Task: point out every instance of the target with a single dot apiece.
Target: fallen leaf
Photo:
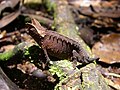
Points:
(9, 18)
(108, 49)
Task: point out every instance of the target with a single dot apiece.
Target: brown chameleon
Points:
(57, 45)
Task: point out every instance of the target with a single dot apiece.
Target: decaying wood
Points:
(58, 45)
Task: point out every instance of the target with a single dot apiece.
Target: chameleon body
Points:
(57, 45)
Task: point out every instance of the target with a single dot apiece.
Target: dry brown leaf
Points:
(9, 18)
(108, 49)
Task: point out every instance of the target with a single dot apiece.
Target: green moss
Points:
(50, 5)
(32, 52)
(56, 70)
(6, 55)
(61, 68)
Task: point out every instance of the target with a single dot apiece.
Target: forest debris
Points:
(7, 47)
(27, 67)
(109, 14)
(93, 81)
(31, 69)
(2, 34)
(108, 49)
(84, 3)
(41, 19)
(111, 74)
(8, 4)
(112, 84)
(61, 68)
(101, 16)
(84, 79)
(9, 34)
(6, 83)
(18, 50)
(104, 22)
(9, 18)
(87, 35)
(109, 9)
(14, 37)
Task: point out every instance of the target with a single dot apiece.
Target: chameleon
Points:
(57, 45)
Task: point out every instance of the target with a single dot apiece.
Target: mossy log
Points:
(87, 78)
(18, 50)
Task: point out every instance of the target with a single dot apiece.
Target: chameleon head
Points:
(36, 31)
(38, 28)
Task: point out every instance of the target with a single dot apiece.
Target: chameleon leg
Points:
(75, 58)
(76, 55)
(47, 57)
(46, 54)
(80, 58)
(83, 59)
